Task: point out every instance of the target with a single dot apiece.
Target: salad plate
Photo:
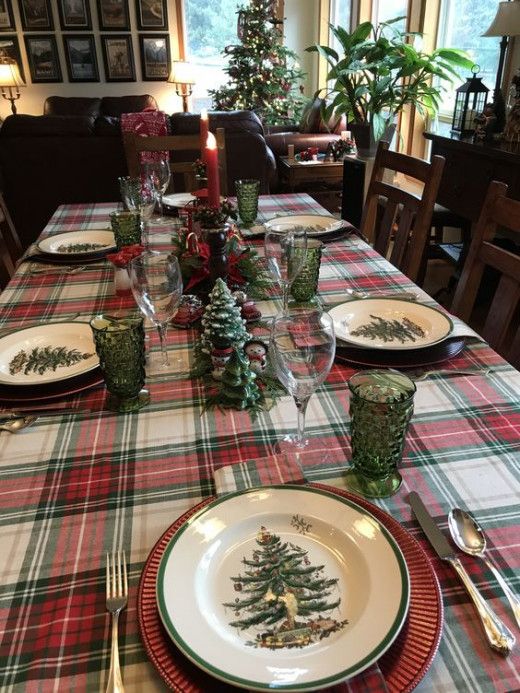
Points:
(45, 354)
(389, 324)
(178, 199)
(87, 243)
(316, 224)
(286, 587)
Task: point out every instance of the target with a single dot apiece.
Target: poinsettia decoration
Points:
(244, 268)
(127, 253)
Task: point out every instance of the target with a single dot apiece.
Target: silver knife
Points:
(498, 635)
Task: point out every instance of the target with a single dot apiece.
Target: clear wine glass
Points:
(159, 174)
(303, 345)
(139, 195)
(285, 252)
(156, 282)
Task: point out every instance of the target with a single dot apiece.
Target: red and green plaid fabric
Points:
(75, 487)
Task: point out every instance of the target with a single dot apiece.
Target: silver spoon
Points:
(469, 537)
(15, 425)
(65, 269)
(404, 295)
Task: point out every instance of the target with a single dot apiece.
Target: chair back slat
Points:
(411, 213)
(10, 245)
(500, 328)
(135, 144)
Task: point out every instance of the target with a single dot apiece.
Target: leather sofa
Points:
(74, 153)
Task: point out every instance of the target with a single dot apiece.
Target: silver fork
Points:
(117, 599)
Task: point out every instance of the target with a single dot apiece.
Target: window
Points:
(340, 15)
(209, 28)
(384, 10)
(461, 24)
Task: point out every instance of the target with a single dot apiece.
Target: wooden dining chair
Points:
(10, 245)
(501, 329)
(397, 220)
(177, 145)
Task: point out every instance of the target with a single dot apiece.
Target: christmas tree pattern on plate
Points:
(283, 596)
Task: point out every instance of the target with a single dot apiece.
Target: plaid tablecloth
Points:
(75, 487)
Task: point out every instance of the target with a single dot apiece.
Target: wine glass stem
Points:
(162, 329)
(301, 406)
(159, 204)
(285, 293)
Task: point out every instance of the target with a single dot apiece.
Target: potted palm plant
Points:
(378, 72)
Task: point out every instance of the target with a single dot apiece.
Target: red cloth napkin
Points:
(294, 469)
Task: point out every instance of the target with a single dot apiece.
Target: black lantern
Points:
(470, 102)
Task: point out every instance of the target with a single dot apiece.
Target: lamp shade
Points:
(10, 74)
(507, 20)
(181, 73)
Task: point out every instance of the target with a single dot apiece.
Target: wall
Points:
(301, 30)
(33, 95)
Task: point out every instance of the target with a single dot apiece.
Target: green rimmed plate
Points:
(284, 587)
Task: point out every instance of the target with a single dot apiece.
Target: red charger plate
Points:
(52, 391)
(403, 665)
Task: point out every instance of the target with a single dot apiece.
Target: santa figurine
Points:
(256, 352)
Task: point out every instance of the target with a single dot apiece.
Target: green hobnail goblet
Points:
(120, 347)
(247, 190)
(305, 286)
(126, 227)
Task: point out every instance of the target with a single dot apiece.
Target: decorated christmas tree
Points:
(264, 75)
(239, 390)
(221, 321)
(279, 591)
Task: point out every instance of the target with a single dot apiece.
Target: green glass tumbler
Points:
(126, 227)
(247, 190)
(120, 347)
(305, 285)
(381, 406)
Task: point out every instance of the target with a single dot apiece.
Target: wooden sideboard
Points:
(470, 168)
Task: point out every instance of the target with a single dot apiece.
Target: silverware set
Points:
(468, 536)
(15, 421)
(65, 269)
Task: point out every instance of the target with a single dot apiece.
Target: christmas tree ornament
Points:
(239, 390)
(222, 320)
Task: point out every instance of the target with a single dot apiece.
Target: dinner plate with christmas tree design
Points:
(387, 323)
(45, 354)
(74, 244)
(285, 587)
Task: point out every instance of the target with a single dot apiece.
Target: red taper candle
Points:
(211, 158)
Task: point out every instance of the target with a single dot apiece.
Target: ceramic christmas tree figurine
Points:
(221, 320)
(239, 390)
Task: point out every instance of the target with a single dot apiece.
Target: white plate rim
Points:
(43, 244)
(383, 645)
(288, 218)
(390, 345)
(180, 199)
(94, 362)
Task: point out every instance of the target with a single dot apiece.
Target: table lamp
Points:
(10, 81)
(182, 76)
(506, 23)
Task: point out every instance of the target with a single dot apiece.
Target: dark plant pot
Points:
(365, 142)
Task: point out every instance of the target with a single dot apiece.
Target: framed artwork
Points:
(155, 57)
(74, 15)
(151, 14)
(113, 15)
(6, 16)
(44, 61)
(118, 57)
(10, 48)
(80, 53)
(36, 15)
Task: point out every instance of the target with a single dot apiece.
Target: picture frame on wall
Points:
(74, 15)
(113, 15)
(6, 16)
(118, 58)
(80, 55)
(10, 48)
(36, 15)
(151, 14)
(155, 57)
(44, 61)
